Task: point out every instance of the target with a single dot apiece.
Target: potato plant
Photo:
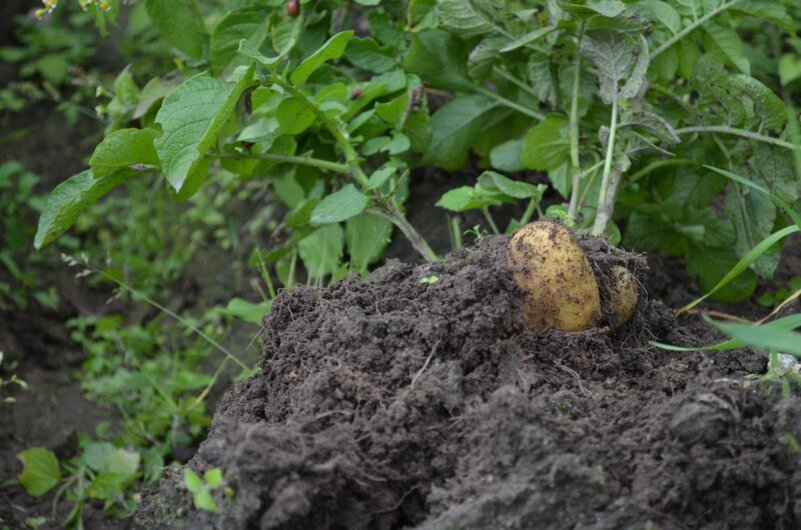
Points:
(625, 106)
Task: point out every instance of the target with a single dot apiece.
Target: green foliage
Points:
(587, 92)
(40, 471)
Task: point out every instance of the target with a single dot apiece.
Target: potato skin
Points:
(561, 290)
(624, 295)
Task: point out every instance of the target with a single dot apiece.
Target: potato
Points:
(624, 295)
(561, 290)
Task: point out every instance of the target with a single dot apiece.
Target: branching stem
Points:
(692, 27)
(725, 129)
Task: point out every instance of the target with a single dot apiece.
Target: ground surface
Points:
(395, 404)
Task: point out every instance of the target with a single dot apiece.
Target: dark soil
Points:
(391, 403)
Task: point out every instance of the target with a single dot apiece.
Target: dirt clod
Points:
(391, 403)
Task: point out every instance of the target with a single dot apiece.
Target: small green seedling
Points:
(201, 488)
(428, 280)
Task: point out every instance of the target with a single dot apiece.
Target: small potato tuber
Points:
(560, 286)
(624, 295)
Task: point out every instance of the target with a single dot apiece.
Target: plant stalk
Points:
(692, 27)
(299, 160)
(606, 200)
(391, 214)
(725, 129)
(509, 103)
(573, 132)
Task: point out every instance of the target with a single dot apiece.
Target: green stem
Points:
(490, 220)
(573, 132)
(299, 160)
(605, 201)
(659, 164)
(725, 129)
(456, 232)
(512, 79)
(692, 27)
(388, 212)
(529, 213)
(508, 103)
(341, 137)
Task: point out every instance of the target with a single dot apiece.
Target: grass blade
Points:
(783, 324)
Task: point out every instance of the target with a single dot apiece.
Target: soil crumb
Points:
(400, 403)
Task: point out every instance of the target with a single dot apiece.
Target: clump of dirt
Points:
(395, 403)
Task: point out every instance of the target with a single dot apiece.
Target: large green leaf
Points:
(621, 61)
(339, 206)
(249, 24)
(192, 117)
(723, 41)
(177, 25)
(368, 55)
(123, 148)
(70, 198)
(545, 146)
(463, 18)
(454, 128)
(367, 237)
(752, 214)
(40, 472)
(333, 48)
(321, 251)
(439, 58)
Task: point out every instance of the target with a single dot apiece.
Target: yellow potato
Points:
(624, 295)
(560, 286)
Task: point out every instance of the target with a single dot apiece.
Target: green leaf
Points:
(204, 501)
(333, 48)
(483, 56)
(770, 10)
(192, 481)
(621, 61)
(192, 117)
(247, 24)
(214, 477)
(246, 311)
(506, 156)
(321, 251)
(123, 463)
(769, 110)
(177, 25)
(661, 12)
(752, 214)
(247, 49)
(153, 92)
(294, 116)
(122, 148)
(368, 55)
(745, 262)
(789, 68)
(462, 18)
(761, 337)
(545, 146)
(787, 323)
(439, 58)
(367, 237)
(70, 198)
(607, 8)
(710, 266)
(724, 42)
(96, 454)
(339, 206)
(469, 198)
(40, 471)
(455, 126)
(491, 180)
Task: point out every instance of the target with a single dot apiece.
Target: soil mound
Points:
(394, 403)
